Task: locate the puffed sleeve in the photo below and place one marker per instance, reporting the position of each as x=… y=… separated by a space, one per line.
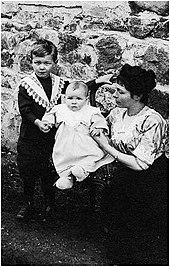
x=51 y=116
x=99 y=122
x=151 y=142
x=110 y=118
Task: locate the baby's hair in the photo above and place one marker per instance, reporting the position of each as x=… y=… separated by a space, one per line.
x=78 y=85
x=42 y=48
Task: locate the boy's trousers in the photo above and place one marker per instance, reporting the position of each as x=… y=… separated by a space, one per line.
x=33 y=162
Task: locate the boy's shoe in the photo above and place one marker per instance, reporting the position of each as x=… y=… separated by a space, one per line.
x=25 y=211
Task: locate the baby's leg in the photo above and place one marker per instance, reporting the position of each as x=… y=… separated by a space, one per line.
x=65 y=181
x=79 y=173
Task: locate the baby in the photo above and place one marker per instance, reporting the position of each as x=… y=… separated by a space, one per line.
x=75 y=152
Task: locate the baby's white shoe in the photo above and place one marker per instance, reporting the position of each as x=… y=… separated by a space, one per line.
x=64 y=183
x=79 y=173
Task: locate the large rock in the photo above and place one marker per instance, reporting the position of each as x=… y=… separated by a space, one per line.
x=68 y=43
x=161 y=30
x=141 y=26
x=9 y=8
x=157 y=59
x=160 y=7
x=110 y=54
x=116 y=18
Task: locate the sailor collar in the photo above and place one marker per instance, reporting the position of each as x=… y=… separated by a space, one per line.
x=36 y=91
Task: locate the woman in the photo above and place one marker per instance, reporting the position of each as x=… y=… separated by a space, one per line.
x=138 y=187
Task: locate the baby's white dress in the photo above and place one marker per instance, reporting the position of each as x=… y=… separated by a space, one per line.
x=74 y=145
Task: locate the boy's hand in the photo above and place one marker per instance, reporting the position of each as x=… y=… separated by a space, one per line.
x=42 y=125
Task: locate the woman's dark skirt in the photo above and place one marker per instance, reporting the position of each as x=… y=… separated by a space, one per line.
x=135 y=213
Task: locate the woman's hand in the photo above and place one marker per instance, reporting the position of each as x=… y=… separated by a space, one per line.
x=104 y=79
x=102 y=140
x=95 y=131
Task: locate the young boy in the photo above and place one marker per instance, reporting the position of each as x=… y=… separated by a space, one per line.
x=38 y=93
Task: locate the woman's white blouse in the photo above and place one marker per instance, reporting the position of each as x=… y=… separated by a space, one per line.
x=141 y=135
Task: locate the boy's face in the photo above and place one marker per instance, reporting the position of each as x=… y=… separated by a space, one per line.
x=43 y=65
x=75 y=99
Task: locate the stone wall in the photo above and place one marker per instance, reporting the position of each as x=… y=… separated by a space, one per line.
x=93 y=38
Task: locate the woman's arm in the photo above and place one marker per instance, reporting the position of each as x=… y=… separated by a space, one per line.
x=128 y=160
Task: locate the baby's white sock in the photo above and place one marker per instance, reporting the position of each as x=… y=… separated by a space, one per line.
x=79 y=173
x=64 y=183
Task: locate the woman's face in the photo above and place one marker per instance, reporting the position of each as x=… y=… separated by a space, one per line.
x=122 y=96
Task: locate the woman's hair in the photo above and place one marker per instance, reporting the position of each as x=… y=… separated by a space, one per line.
x=42 y=48
x=137 y=81
x=78 y=85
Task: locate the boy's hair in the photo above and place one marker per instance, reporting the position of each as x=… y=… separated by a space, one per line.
x=78 y=85
x=42 y=48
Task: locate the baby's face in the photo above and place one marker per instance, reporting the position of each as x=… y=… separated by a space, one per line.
x=75 y=99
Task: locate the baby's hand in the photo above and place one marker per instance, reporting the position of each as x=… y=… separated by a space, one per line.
x=50 y=125
x=95 y=132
